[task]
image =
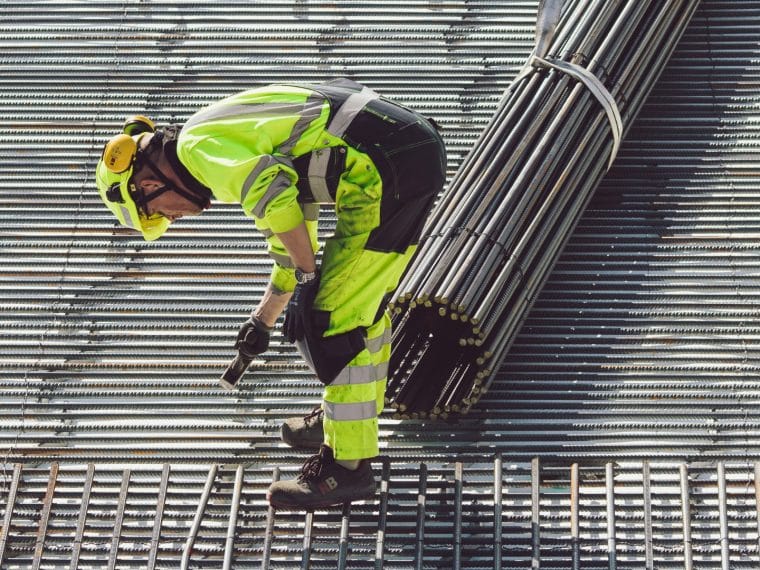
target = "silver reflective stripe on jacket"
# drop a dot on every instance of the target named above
(361, 374)
(127, 215)
(310, 212)
(348, 111)
(320, 159)
(282, 259)
(242, 110)
(312, 109)
(376, 344)
(280, 183)
(263, 163)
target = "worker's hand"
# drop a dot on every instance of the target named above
(253, 338)
(298, 315)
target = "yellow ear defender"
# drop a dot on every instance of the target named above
(120, 152)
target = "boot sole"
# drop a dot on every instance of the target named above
(314, 447)
(325, 505)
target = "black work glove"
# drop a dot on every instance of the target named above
(253, 338)
(298, 316)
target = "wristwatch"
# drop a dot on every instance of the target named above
(302, 277)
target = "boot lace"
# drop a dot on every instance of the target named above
(314, 466)
(314, 416)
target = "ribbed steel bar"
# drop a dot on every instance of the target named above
(76, 547)
(382, 520)
(609, 479)
(723, 538)
(269, 529)
(498, 494)
(229, 546)
(575, 516)
(756, 482)
(686, 516)
(308, 529)
(481, 266)
(10, 504)
(419, 543)
(198, 519)
(47, 505)
(119, 520)
(345, 525)
(535, 514)
(158, 520)
(646, 492)
(458, 487)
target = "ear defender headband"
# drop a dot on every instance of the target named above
(120, 152)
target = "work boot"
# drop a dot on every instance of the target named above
(323, 483)
(306, 432)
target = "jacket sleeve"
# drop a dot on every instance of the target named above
(283, 274)
(269, 193)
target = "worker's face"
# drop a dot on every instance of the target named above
(168, 204)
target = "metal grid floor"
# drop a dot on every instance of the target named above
(479, 512)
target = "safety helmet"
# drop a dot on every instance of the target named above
(113, 176)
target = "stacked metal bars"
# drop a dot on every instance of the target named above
(496, 233)
(477, 512)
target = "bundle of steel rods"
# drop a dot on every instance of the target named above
(497, 231)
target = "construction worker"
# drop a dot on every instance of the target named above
(280, 151)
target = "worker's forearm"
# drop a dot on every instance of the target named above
(271, 306)
(298, 246)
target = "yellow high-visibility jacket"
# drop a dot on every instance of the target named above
(269, 150)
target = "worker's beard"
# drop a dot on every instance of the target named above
(167, 138)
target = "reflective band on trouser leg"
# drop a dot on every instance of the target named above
(353, 401)
(380, 349)
(351, 412)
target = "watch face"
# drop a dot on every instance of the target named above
(303, 277)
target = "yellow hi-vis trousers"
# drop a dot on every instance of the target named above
(356, 397)
(353, 400)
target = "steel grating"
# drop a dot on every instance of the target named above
(641, 347)
(477, 512)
